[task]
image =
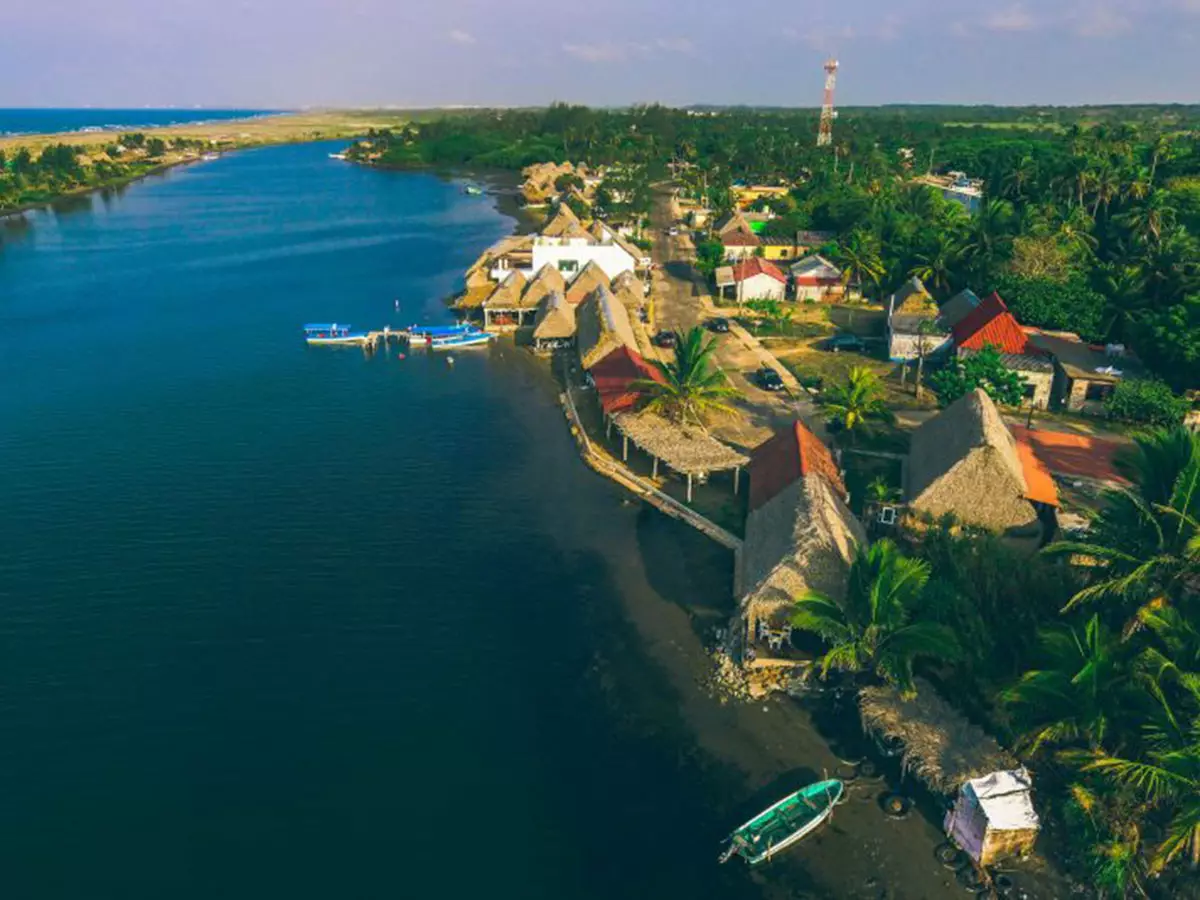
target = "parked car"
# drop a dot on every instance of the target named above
(840, 342)
(673, 231)
(768, 379)
(665, 339)
(720, 325)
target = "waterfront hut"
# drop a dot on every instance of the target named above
(564, 225)
(993, 818)
(602, 324)
(547, 281)
(504, 307)
(800, 536)
(591, 277)
(554, 325)
(964, 462)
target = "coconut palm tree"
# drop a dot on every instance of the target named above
(858, 401)
(939, 267)
(692, 388)
(859, 259)
(1144, 547)
(1150, 218)
(1082, 693)
(878, 627)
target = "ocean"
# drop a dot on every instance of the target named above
(280, 621)
(46, 121)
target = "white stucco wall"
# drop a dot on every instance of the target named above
(609, 257)
(760, 287)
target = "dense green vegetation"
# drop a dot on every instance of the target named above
(1089, 221)
(26, 179)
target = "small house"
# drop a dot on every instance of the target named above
(964, 462)
(753, 279)
(810, 241)
(912, 324)
(740, 244)
(554, 325)
(990, 324)
(505, 308)
(800, 536)
(731, 222)
(816, 279)
(1084, 375)
(993, 818)
(778, 249)
(602, 325)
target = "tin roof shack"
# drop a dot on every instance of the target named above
(1085, 375)
(993, 818)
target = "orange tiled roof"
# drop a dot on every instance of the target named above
(791, 454)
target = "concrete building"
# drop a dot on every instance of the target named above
(752, 279)
(912, 324)
(991, 325)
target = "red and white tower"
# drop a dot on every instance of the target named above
(825, 133)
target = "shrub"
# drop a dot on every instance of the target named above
(1146, 401)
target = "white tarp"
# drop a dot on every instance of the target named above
(1005, 799)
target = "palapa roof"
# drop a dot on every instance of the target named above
(564, 224)
(590, 278)
(615, 376)
(507, 294)
(604, 234)
(686, 449)
(555, 318)
(628, 289)
(965, 462)
(800, 535)
(912, 300)
(547, 281)
(941, 747)
(756, 265)
(602, 325)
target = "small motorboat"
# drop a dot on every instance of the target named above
(332, 333)
(417, 333)
(466, 339)
(791, 819)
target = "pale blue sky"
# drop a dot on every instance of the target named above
(291, 53)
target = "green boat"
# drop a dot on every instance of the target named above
(785, 823)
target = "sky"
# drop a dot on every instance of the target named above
(279, 54)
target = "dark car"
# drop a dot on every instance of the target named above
(768, 379)
(840, 342)
(666, 339)
(719, 325)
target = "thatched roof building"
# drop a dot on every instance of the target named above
(800, 535)
(504, 306)
(590, 278)
(547, 281)
(603, 325)
(628, 288)
(554, 325)
(941, 747)
(965, 462)
(564, 224)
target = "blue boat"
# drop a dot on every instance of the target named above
(332, 333)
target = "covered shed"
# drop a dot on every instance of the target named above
(602, 325)
(800, 536)
(504, 307)
(964, 462)
(554, 325)
(993, 818)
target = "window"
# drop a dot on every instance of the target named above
(1097, 391)
(1029, 391)
(568, 265)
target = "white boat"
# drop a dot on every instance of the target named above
(210, 157)
(337, 155)
(332, 334)
(468, 339)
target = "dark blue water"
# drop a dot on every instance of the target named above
(42, 121)
(302, 623)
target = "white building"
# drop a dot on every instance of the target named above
(752, 279)
(568, 247)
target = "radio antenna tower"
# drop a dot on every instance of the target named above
(825, 133)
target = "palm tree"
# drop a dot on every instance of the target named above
(1144, 547)
(938, 268)
(1080, 695)
(858, 401)
(858, 258)
(691, 387)
(1150, 218)
(878, 626)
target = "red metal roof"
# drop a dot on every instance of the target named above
(1073, 455)
(756, 265)
(788, 456)
(991, 323)
(814, 281)
(614, 377)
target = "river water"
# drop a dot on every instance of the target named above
(279, 621)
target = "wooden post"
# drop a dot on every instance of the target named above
(737, 473)
(625, 448)
(689, 487)
(654, 470)
(608, 426)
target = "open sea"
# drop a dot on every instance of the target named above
(46, 121)
(291, 622)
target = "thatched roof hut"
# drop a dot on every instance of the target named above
(603, 325)
(800, 534)
(591, 277)
(965, 462)
(564, 224)
(507, 295)
(941, 747)
(628, 288)
(555, 321)
(686, 449)
(547, 281)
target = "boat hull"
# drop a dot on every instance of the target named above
(474, 340)
(785, 823)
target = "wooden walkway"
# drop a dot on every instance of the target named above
(610, 468)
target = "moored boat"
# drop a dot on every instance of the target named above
(473, 190)
(466, 339)
(785, 823)
(332, 333)
(435, 332)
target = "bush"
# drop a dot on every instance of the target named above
(1146, 401)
